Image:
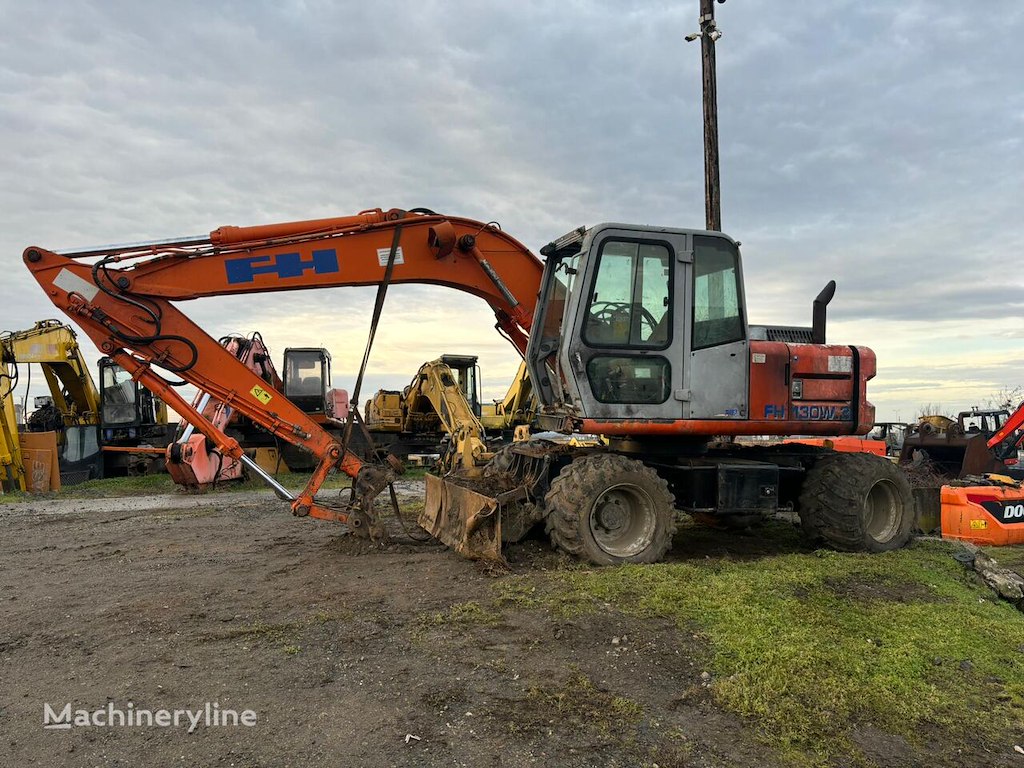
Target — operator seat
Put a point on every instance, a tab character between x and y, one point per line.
309	385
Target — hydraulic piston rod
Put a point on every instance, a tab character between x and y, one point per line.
280	490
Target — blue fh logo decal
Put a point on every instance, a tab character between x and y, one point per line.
245	269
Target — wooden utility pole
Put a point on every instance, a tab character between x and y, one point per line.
712	187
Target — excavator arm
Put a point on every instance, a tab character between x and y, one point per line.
435	388
12	472
54	347
1014	423
122	298
459	253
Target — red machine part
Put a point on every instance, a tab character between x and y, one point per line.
1015	422
191	460
844	444
833	381
337	405
128	307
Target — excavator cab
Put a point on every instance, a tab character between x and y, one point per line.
307	377
641	322
119	401
467	371
307	383
127	409
130	416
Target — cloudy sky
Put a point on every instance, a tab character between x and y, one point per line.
874	142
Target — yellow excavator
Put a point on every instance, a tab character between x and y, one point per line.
72	407
441	399
95	426
444	398
515	410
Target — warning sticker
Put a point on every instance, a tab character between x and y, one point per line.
979	524
758	357
384	253
261	394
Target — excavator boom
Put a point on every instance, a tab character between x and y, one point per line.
74	407
345	251
122	300
1014	423
435	388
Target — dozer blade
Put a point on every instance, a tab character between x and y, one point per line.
467	521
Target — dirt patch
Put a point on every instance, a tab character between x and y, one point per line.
172	602
924	475
874	589
599	689
350	652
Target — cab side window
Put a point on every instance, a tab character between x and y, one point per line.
717	313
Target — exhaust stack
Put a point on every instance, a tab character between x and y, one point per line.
819	312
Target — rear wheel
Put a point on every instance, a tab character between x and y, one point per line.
610	509
857	502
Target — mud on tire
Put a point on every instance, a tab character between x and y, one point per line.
610	509
857	502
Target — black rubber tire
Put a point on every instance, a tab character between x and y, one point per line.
857	502
580	493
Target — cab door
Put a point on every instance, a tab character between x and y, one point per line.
626	347
719	366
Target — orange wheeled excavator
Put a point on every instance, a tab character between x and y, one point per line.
636	333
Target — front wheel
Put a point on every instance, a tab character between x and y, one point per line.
857	502
610	509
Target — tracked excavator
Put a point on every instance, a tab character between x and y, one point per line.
636	333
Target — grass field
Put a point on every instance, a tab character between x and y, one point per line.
811	645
